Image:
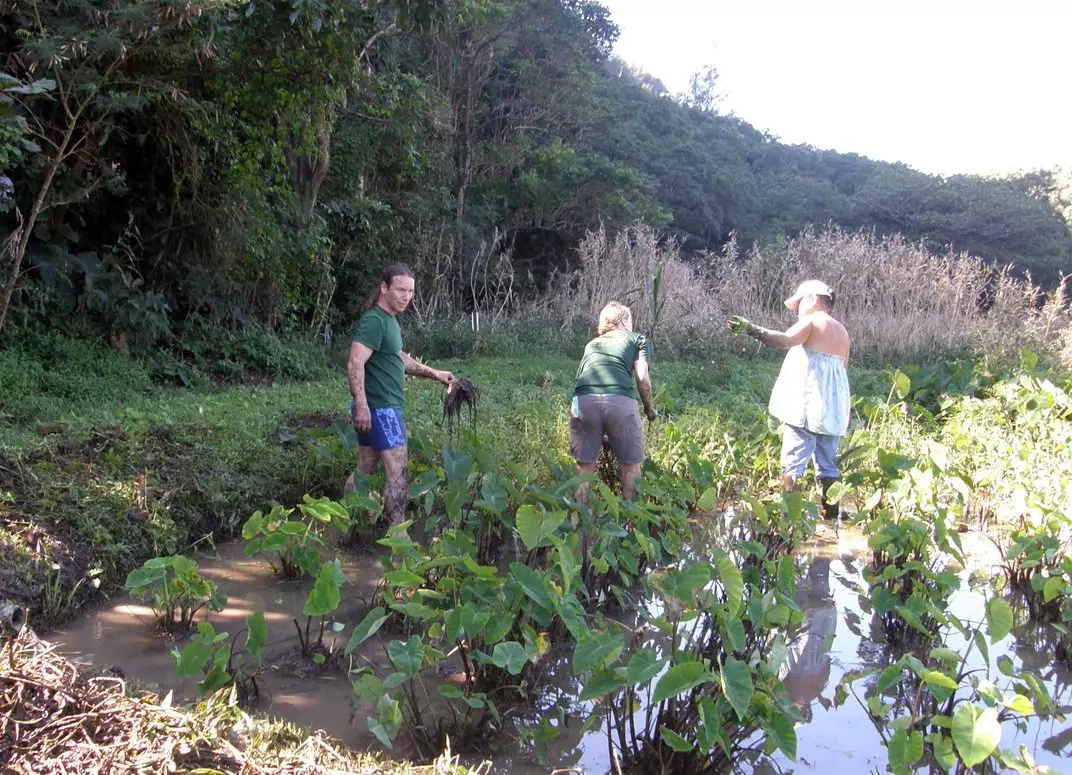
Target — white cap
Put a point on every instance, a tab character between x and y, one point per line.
809	288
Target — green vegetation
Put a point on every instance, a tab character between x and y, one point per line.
503	575
177	592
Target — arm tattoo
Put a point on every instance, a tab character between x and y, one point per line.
415	368
355	375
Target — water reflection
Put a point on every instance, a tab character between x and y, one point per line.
807	671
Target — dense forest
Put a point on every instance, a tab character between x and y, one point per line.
167	168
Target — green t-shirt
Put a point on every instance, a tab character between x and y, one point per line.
607	366
384	372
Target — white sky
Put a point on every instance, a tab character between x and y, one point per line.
946	86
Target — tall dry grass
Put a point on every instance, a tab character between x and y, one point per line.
623	268
900	302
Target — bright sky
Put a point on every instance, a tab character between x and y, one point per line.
946	86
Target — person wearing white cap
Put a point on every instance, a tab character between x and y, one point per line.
811	395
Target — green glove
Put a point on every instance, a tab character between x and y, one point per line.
740	325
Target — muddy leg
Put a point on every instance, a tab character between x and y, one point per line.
630	474
789	484
396	474
582	491
367	458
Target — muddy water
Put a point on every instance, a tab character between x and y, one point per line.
120	636
831	592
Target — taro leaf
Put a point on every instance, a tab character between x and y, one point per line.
1054	586
902	385
324	597
373	620
501	623
915	747
998	619
737	685
890	676
536	526
403	578
942	750
450	691
779	729
378	729
456	465
708	500
1020	705
256	636
534	584
474	619
407	657
674	740
596	649
643	666
509	655
735	634
733	582
898	752
602	683
976	733
940	684
680	678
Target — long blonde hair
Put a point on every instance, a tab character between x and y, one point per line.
613	316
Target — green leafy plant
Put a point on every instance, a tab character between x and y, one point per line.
296	543
213	656
701	675
323	601
176	591
948	712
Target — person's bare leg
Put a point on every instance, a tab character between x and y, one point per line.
630	474
582	491
396	484
789	484
367	458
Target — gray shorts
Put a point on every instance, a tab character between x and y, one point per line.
616	416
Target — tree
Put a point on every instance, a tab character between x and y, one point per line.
86	52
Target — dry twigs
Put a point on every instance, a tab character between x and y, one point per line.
54	721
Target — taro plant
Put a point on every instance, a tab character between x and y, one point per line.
176	591
947	712
1037	561
908	514
702	676
213	656
295	537
323	601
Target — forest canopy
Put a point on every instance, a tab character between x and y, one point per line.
168	168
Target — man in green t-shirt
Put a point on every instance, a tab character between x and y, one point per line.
603	402
376	371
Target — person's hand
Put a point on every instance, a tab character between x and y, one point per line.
740	325
445	377
651	413
363	420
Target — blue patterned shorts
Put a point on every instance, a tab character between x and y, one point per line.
388	429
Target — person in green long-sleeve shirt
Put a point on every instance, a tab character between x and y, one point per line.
603	398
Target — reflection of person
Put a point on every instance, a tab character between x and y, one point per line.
376	371
811	396
603	401
809	655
